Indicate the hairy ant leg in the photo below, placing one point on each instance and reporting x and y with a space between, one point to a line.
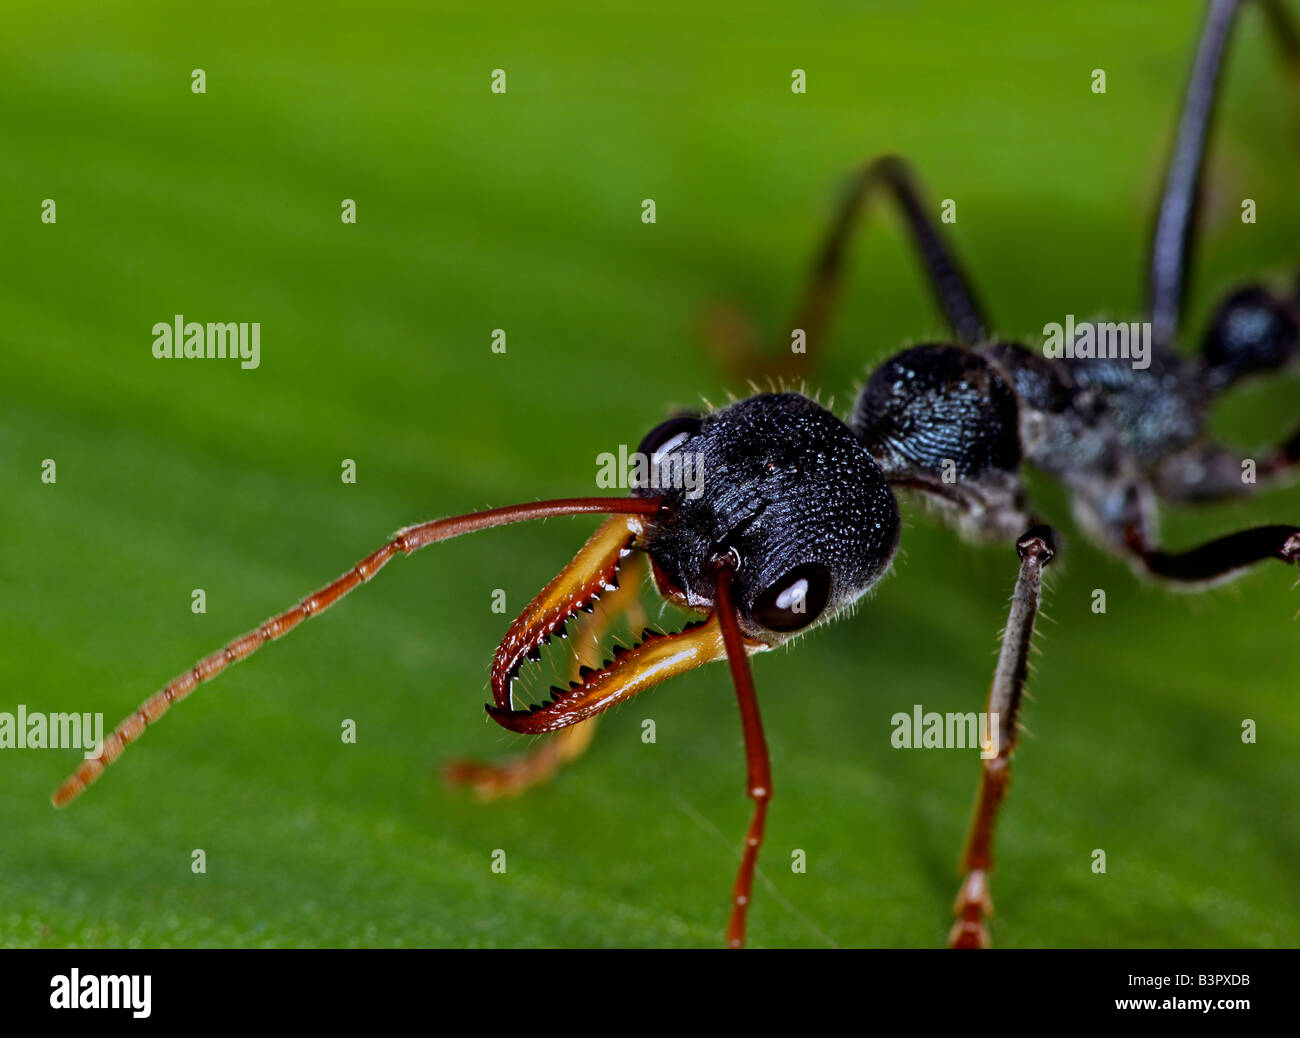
1217 560
974 903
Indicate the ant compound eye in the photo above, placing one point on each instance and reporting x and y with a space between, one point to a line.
667 435
661 440
796 600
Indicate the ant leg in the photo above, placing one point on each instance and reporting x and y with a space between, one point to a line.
1282 459
522 772
1175 229
1253 332
1209 472
1036 549
948 281
1285 35
1174 236
518 774
655 659
1218 559
757 760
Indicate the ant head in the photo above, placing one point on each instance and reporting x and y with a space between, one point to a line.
775 491
779 490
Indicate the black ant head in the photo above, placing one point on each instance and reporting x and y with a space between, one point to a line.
775 490
778 489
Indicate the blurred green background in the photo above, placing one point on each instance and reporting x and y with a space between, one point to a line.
522 212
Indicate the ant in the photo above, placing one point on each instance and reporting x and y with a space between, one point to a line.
797 517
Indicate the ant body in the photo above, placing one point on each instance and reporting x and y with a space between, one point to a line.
797 516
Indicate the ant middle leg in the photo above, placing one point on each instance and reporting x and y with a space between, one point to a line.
1219 559
1255 332
1122 516
493 780
1209 472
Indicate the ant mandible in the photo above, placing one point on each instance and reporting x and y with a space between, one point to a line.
797 516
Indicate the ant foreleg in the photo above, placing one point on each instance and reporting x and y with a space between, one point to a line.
758 761
1036 549
654 659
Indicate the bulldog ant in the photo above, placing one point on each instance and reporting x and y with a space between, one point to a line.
797 517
